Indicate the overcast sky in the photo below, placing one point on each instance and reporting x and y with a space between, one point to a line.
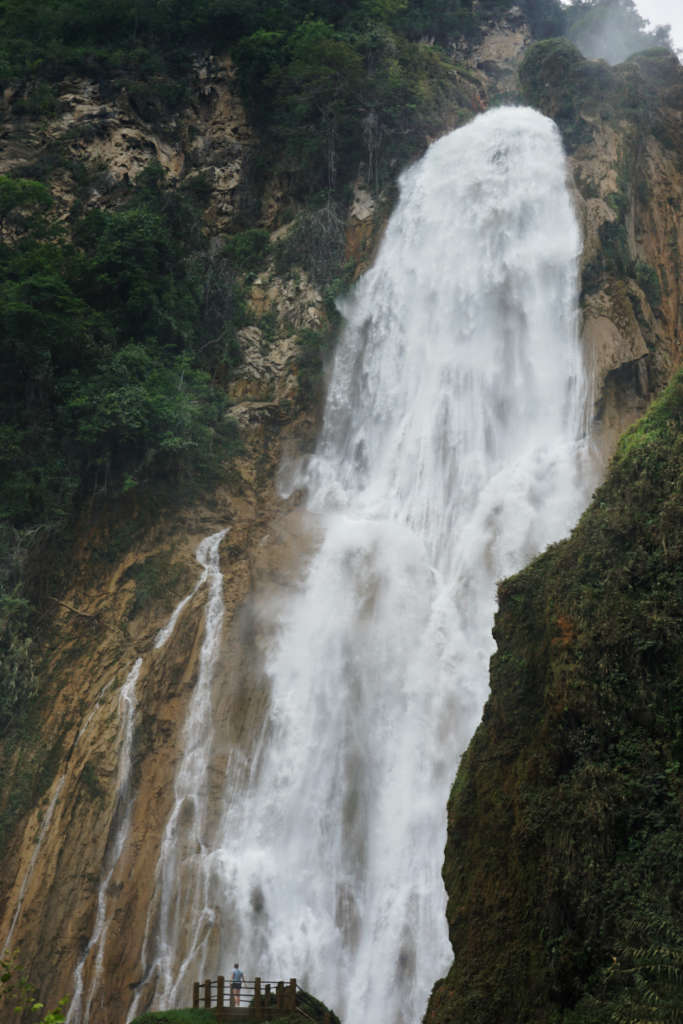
664 12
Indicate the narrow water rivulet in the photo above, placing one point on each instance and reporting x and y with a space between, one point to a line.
452 451
81 1002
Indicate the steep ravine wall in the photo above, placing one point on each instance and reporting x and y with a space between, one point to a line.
563 862
110 612
132 561
623 131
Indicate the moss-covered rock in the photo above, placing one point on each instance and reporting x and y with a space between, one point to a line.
190 1016
564 859
199 1016
561 83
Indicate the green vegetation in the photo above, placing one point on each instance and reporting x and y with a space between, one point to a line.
158 580
560 82
91 782
20 993
328 98
189 1016
579 93
648 279
17 671
314 1011
247 250
328 85
200 1016
315 242
104 374
115 335
30 765
564 863
313 346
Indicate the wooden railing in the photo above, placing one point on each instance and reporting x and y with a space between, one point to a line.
257 1000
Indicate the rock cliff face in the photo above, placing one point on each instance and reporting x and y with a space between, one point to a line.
118 140
623 128
130 567
563 860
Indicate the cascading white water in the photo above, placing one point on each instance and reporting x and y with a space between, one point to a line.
450 454
44 829
194 761
179 912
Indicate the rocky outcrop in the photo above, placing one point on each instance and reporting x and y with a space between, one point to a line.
623 127
112 139
632 320
498 54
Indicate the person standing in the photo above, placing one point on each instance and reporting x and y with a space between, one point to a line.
236 985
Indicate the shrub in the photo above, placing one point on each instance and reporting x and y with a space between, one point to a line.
247 250
648 279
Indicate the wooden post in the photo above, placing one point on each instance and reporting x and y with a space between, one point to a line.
195 995
220 992
292 995
207 993
280 996
258 1002
267 998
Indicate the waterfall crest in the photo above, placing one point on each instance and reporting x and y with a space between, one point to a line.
450 454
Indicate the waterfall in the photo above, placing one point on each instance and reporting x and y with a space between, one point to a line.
193 769
179 910
44 829
450 454
79 1008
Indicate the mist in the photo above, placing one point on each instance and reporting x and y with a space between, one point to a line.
613 30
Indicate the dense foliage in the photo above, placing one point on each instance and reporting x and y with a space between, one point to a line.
99 364
59 35
112 337
564 862
328 84
560 82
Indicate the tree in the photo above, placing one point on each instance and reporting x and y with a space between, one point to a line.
21 199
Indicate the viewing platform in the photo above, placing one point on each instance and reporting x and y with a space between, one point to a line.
258 1000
